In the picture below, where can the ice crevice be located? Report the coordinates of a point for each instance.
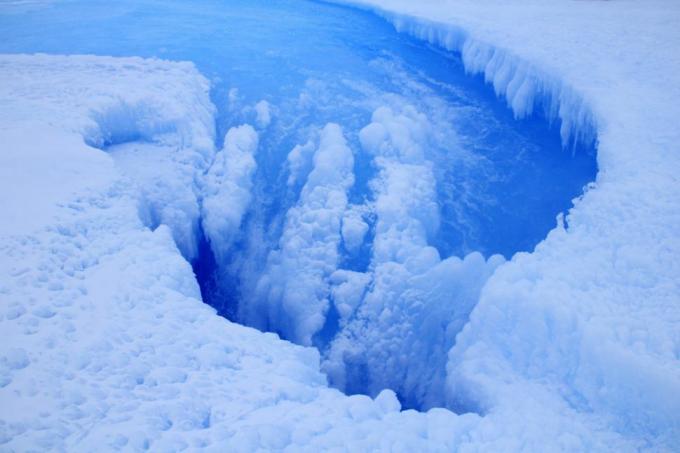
(393, 323)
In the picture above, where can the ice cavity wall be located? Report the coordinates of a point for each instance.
(398, 319)
(292, 295)
(525, 88)
(226, 189)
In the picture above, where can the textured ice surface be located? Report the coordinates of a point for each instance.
(571, 347)
(439, 171)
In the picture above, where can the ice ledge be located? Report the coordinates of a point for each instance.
(526, 88)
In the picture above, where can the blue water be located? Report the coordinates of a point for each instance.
(500, 182)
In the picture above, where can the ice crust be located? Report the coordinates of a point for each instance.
(107, 344)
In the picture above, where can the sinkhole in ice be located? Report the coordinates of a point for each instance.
(364, 187)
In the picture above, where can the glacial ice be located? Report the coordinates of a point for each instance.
(338, 236)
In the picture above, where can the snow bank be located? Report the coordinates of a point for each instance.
(588, 323)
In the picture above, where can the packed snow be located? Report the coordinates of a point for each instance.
(359, 217)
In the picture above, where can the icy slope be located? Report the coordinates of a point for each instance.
(593, 315)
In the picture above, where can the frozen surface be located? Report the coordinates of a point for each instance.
(347, 211)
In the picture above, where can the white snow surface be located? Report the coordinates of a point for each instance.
(106, 344)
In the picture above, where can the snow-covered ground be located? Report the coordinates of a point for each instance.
(106, 343)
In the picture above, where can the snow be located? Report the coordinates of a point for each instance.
(227, 189)
(590, 319)
(108, 173)
(165, 125)
(107, 344)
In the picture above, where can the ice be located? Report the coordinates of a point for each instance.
(146, 129)
(591, 314)
(417, 303)
(264, 117)
(227, 189)
(359, 212)
(129, 356)
(354, 230)
(293, 288)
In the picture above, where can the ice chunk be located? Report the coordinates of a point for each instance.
(354, 229)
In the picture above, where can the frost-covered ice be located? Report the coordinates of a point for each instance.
(227, 188)
(399, 334)
(110, 179)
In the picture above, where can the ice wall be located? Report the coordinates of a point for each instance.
(106, 344)
(526, 88)
(398, 332)
(226, 189)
